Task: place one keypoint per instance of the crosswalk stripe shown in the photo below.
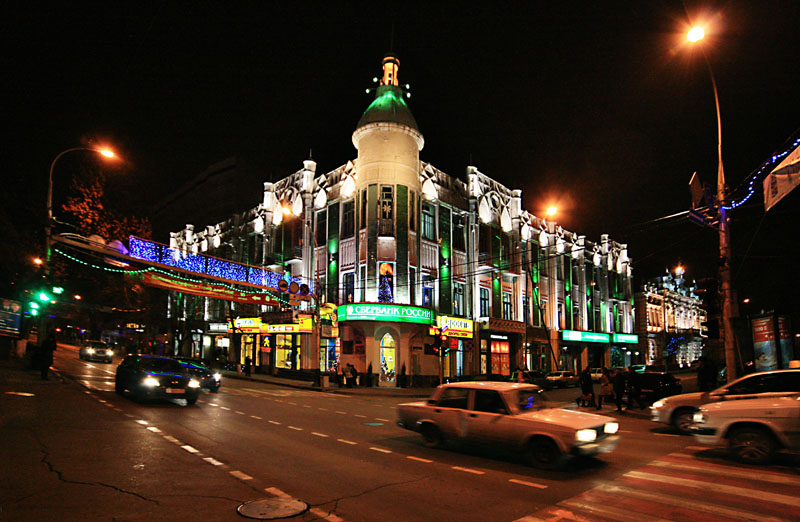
(608, 512)
(694, 504)
(718, 488)
(729, 472)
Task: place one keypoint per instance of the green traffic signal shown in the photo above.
(58, 290)
(43, 297)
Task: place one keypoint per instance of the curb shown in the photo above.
(336, 390)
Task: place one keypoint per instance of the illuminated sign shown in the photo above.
(625, 338)
(256, 325)
(454, 326)
(385, 312)
(217, 327)
(588, 337)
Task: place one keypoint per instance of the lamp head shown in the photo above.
(695, 34)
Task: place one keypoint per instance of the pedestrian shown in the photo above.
(605, 388)
(401, 379)
(247, 363)
(634, 389)
(587, 388)
(618, 385)
(46, 354)
(349, 378)
(339, 375)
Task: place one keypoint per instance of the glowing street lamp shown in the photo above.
(695, 34)
(552, 210)
(106, 153)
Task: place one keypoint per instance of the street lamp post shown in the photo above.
(696, 34)
(49, 225)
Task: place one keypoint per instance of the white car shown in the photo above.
(563, 379)
(678, 410)
(512, 415)
(754, 428)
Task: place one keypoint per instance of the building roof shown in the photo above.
(388, 106)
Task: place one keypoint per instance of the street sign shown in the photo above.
(697, 218)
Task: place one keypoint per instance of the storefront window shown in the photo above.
(500, 357)
(285, 354)
(388, 360)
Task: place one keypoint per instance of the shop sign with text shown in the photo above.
(454, 326)
(584, 337)
(625, 338)
(385, 312)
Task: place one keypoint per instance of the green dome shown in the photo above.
(388, 106)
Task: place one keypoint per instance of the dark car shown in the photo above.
(209, 379)
(657, 385)
(539, 378)
(96, 351)
(152, 377)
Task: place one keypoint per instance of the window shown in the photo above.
(484, 302)
(348, 219)
(412, 285)
(412, 211)
(428, 224)
(386, 211)
(427, 292)
(322, 227)
(363, 223)
(458, 299)
(385, 282)
(770, 383)
(489, 401)
(363, 282)
(508, 308)
(454, 398)
(349, 280)
(526, 308)
(459, 241)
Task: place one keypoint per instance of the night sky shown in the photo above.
(599, 107)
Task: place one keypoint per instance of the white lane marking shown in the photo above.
(347, 441)
(294, 428)
(142, 422)
(730, 472)
(319, 434)
(172, 439)
(109, 405)
(531, 484)
(666, 435)
(129, 415)
(608, 512)
(719, 488)
(240, 475)
(240, 412)
(190, 449)
(306, 405)
(670, 500)
(100, 400)
(324, 515)
(87, 392)
(255, 417)
(293, 403)
(382, 420)
(224, 408)
(474, 471)
(381, 450)
(213, 461)
(154, 429)
(322, 409)
(342, 412)
(360, 416)
(419, 459)
(277, 492)
(117, 409)
(213, 404)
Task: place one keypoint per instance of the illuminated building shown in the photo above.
(401, 252)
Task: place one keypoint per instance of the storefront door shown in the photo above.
(388, 361)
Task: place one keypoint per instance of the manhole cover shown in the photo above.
(272, 508)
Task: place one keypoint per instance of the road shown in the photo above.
(346, 458)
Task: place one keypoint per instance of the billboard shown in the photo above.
(785, 341)
(764, 346)
(10, 317)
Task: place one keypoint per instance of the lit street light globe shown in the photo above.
(551, 211)
(695, 34)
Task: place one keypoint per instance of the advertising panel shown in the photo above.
(764, 348)
(454, 326)
(385, 312)
(10, 317)
(584, 337)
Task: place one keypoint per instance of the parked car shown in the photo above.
(657, 385)
(563, 379)
(209, 379)
(680, 409)
(153, 377)
(96, 351)
(537, 377)
(494, 377)
(516, 416)
(754, 428)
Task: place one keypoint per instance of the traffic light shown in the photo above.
(445, 344)
(33, 308)
(44, 297)
(437, 344)
(58, 290)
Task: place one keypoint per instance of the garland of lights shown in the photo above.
(750, 189)
(164, 272)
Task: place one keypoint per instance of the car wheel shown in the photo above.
(119, 388)
(431, 436)
(215, 389)
(682, 419)
(543, 453)
(191, 400)
(752, 445)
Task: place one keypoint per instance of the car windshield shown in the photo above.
(554, 374)
(96, 344)
(194, 365)
(161, 365)
(531, 399)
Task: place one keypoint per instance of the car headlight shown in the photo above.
(90, 351)
(110, 353)
(611, 427)
(658, 404)
(151, 382)
(217, 376)
(699, 418)
(586, 435)
(194, 384)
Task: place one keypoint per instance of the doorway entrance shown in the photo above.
(388, 375)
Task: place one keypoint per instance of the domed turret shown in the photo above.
(389, 105)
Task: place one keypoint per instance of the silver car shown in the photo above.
(517, 416)
(679, 410)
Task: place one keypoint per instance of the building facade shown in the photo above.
(671, 321)
(415, 275)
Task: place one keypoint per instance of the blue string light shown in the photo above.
(750, 189)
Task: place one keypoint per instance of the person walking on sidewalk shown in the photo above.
(618, 385)
(605, 388)
(587, 388)
(46, 354)
(247, 363)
